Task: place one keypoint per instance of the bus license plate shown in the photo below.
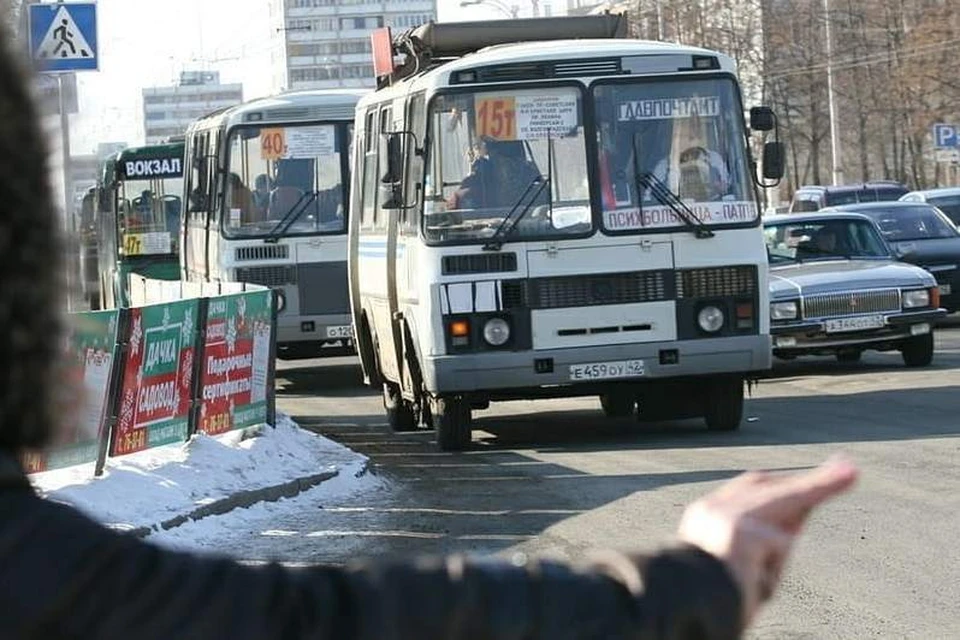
(854, 324)
(945, 289)
(345, 331)
(606, 370)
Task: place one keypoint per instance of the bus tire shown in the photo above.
(400, 415)
(618, 404)
(451, 417)
(724, 404)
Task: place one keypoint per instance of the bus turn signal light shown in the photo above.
(459, 328)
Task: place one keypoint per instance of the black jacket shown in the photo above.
(63, 575)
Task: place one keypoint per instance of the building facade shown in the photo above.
(326, 43)
(168, 111)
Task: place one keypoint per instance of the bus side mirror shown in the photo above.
(393, 171)
(762, 119)
(773, 160)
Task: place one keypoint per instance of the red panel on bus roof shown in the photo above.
(382, 44)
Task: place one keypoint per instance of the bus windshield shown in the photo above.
(506, 164)
(148, 214)
(285, 180)
(660, 141)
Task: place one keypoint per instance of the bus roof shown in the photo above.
(571, 58)
(292, 106)
(149, 151)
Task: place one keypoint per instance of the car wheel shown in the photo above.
(451, 417)
(849, 355)
(400, 414)
(724, 404)
(617, 404)
(918, 350)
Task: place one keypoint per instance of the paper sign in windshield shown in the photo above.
(545, 116)
(146, 244)
(310, 142)
(669, 108)
(655, 217)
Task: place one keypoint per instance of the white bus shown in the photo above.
(267, 186)
(556, 218)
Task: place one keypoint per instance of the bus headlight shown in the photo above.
(915, 299)
(281, 300)
(783, 311)
(710, 319)
(496, 332)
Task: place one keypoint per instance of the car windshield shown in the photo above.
(823, 240)
(506, 164)
(950, 205)
(148, 214)
(914, 223)
(285, 180)
(688, 136)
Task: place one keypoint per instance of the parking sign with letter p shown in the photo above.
(944, 136)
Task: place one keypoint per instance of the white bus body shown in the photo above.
(268, 187)
(595, 290)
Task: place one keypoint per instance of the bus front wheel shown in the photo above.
(451, 418)
(400, 415)
(724, 404)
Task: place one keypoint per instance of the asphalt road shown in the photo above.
(557, 478)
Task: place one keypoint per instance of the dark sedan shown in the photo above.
(836, 289)
(921, 234)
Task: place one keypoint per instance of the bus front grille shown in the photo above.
(270, 276)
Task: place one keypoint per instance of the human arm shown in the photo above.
(82, 580)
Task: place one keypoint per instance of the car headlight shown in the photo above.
(496, 332)
(916, 298)
(783, 310)
(710, 319)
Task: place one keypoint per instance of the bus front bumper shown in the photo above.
(316, 329)
(583, 369)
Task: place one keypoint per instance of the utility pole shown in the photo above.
(831, 101)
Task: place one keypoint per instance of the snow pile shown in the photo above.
(146, 488)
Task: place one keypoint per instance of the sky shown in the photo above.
(145, 43)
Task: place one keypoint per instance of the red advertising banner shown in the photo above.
(235, 376)
(158, 376)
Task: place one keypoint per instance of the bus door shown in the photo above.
(200, 202)
(393, 352)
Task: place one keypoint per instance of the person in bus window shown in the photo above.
(261, 193)
(240, 197)
(499, 177)
(692, 169)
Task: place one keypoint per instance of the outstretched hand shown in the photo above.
(751, 522)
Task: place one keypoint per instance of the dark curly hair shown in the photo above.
(30, 266)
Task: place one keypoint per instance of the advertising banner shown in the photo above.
(235, 376)
(92, 344)
(158, 376)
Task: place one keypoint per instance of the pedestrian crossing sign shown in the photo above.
(63, 36)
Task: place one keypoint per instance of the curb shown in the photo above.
(243, 499)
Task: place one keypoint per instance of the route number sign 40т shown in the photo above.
(273, 144)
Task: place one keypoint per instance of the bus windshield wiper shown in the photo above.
(646, 181)
(291, 216)
(508, 223)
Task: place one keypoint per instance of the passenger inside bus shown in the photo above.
(261, 193)
(239, 197)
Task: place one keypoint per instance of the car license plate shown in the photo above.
(606, 370)
(854, 324)
(945, 289)
(345, 331)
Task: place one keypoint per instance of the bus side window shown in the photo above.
(215, 190)
(386, 121)
(196, 186)
(369, 195)
(416, 124)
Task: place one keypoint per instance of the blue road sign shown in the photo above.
(944, 136)
(63, 37)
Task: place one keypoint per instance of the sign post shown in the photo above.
(63, 39)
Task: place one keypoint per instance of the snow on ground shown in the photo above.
(209, 534)
(146, 488)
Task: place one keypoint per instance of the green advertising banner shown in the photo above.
(235, 375)
(156, 393)
(92, 341)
